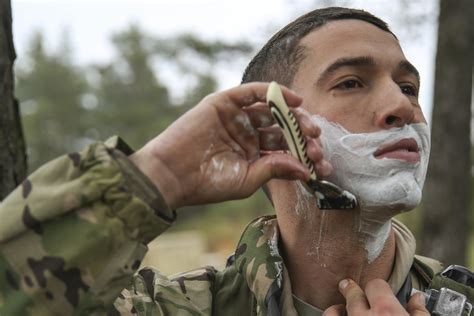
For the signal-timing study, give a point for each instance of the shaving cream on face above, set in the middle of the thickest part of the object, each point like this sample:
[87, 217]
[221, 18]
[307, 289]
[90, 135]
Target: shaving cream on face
[383, 187]
[380, 185]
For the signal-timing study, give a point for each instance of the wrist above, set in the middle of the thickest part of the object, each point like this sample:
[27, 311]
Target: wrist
[162, 178]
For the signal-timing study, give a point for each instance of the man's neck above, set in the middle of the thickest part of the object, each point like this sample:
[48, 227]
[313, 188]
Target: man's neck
[320, 248]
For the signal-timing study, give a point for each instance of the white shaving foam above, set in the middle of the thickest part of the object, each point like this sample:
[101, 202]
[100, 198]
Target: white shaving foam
[214, 166]
[243, 120]
[383, 187]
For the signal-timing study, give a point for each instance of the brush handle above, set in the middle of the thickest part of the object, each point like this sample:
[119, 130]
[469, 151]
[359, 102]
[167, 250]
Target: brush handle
[289, 126]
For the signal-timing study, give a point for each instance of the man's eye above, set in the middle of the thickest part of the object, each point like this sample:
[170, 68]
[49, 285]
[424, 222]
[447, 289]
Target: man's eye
[349, 84]
[409, 90]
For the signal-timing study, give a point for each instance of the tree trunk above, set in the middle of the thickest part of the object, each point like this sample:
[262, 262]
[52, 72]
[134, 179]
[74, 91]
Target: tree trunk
[12, 145]
[446, 198]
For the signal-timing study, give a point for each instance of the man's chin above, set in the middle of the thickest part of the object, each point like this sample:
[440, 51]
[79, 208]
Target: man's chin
[402, 207]
[389, 208]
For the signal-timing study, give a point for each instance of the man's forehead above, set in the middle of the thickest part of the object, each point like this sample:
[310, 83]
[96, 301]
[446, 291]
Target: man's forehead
[344, 32]
[351, 38]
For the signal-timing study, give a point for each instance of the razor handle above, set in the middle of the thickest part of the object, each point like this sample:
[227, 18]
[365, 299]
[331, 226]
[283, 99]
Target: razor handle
[328, 195]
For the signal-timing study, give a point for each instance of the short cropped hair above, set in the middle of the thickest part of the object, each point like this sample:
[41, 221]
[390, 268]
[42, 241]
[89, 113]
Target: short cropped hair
[281, 56]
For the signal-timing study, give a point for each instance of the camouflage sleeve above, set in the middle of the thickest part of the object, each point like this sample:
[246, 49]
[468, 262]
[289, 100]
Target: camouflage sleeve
[74, 232]
[152, 293]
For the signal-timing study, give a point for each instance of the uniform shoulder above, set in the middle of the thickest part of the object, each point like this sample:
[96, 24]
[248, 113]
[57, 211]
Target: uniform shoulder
[436, 266]
[423, 270]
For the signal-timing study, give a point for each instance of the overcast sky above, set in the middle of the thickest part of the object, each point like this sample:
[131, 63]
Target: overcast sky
[90, 24]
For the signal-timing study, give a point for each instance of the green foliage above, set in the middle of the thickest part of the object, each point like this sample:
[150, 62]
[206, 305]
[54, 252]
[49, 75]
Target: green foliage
[66, 106]
[132, 102]
[50, 90]
[210, 52]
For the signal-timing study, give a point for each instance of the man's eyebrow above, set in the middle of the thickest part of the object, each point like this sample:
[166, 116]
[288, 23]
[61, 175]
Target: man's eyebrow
[346, 62]
[408, 67]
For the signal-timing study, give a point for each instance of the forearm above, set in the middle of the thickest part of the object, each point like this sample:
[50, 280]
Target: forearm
[72, 235]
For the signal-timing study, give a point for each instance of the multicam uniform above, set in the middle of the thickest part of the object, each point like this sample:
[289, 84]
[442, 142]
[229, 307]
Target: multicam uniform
[72, 237]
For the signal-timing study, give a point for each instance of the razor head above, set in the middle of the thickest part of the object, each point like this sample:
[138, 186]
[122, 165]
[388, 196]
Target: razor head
[331, 197]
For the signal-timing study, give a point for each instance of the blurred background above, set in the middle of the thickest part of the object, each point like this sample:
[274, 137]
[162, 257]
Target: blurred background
[87, 70]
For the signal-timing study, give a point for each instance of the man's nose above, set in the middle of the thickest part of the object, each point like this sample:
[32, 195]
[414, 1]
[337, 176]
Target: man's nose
[395, 108]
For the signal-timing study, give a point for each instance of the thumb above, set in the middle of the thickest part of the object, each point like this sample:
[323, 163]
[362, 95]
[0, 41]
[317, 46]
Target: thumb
[335, 310]
[416, 305]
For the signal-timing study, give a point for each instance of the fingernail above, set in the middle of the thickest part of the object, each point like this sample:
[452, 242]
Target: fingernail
[420, 299]
[327, 169]
[343, 284]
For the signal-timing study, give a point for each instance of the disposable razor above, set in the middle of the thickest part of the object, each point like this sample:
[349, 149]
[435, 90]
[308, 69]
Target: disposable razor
[328, 195]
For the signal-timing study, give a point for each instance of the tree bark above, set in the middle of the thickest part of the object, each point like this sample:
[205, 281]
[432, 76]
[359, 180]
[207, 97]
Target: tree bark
[446, 198]
[12, 145]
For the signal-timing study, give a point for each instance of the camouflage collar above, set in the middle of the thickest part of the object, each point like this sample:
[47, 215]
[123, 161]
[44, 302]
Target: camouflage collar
[258, 259]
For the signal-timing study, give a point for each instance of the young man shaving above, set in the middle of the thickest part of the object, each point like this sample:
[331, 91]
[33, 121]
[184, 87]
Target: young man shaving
[355, 97]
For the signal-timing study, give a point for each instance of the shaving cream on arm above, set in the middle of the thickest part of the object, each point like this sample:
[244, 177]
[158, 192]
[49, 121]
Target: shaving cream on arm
[384, 187]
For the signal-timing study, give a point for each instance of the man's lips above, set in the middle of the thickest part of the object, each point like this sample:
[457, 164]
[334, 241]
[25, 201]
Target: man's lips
[405, 149]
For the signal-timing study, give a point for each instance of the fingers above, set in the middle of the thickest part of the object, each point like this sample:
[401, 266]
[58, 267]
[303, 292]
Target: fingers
[250, 93]
[306, 124]
[416, 305]
[271, 135]
[242, 133]
[355, 297]
[315, 153]
[313, 148]
[271, 138]
[335, 310]
[251, 125]
[378, 299]
[323, 168]
[275, 165]
[381, 298]
[260, 115]
[240, 122]
[379, 292]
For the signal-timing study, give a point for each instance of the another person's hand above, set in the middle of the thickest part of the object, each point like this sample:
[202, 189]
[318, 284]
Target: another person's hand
[225, 148]
[378, 299]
